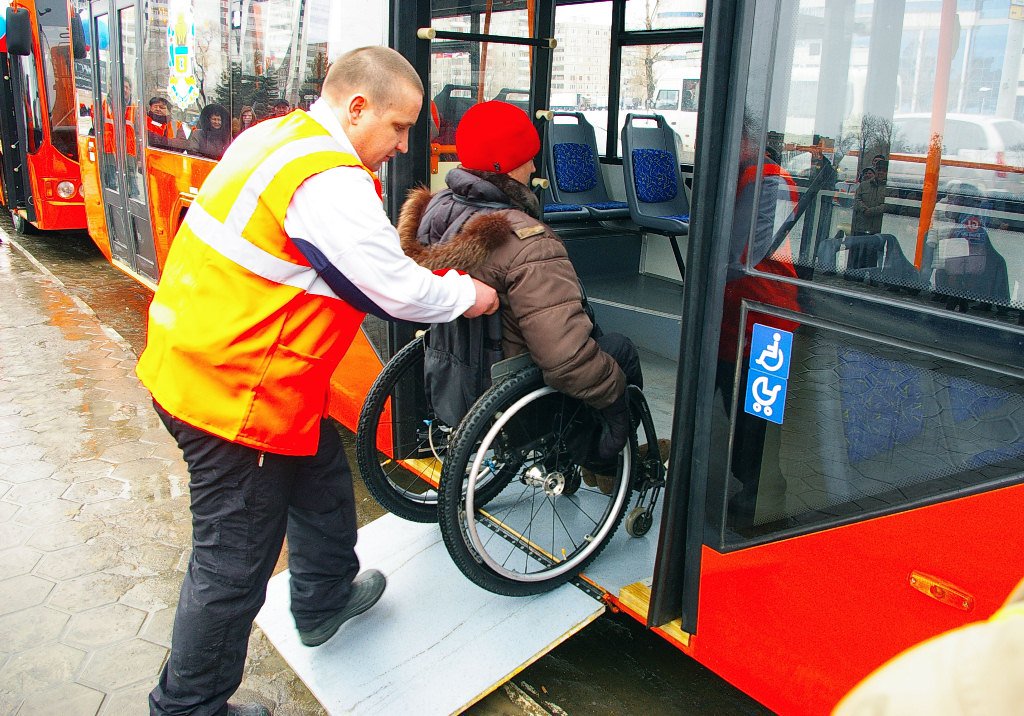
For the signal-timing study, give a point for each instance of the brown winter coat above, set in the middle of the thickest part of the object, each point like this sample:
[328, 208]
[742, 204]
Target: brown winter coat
[527, 264]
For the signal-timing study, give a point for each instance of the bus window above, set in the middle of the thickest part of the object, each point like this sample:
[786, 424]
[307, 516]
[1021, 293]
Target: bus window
[664, 15]
[130, 102]
[666, 99]
[584, 41]
[892, 422]
[271, 76]
[188, 71]
[465, 72]
[663, 79]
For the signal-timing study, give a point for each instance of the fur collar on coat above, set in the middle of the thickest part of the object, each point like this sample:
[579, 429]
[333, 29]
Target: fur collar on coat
[480, 235]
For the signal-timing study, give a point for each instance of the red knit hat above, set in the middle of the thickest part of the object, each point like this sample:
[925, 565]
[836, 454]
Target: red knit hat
[496, 137]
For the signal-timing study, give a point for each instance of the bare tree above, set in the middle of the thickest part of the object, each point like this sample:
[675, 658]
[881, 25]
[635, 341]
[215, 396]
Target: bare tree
[642, 82]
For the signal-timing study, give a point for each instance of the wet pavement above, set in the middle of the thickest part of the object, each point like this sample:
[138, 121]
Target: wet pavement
[94, 526]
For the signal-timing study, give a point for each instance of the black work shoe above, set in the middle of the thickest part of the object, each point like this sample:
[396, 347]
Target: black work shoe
[253, 709]
[366, 590]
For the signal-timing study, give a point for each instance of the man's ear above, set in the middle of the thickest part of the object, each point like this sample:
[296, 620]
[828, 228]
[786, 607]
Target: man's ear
[357, 105]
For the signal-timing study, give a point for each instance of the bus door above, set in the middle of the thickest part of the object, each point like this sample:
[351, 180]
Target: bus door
[119, 109]
[13, 158]
[850, 427]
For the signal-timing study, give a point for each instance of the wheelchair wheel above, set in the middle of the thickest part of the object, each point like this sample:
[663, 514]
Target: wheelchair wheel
[400, 445]
[515, 515]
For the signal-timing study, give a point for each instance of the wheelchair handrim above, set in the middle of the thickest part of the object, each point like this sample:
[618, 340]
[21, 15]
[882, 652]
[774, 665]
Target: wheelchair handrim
[476, 543]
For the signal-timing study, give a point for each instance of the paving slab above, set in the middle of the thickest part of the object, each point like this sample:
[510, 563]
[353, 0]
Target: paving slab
[94, 516]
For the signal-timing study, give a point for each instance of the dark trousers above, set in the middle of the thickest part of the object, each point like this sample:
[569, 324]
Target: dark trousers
[625, 354]
[243, 504]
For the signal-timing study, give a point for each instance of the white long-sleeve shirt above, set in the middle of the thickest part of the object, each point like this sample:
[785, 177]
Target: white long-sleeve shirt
[339, 213]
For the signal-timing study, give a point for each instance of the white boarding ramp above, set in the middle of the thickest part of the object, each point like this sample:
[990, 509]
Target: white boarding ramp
[435, 643]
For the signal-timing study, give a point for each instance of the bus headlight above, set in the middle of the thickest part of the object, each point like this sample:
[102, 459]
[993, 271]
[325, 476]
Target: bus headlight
[65, 190]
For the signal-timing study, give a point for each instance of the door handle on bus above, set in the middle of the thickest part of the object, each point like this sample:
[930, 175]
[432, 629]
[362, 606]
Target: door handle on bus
[90, 146]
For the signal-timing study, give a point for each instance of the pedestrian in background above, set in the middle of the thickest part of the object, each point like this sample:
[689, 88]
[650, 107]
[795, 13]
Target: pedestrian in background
[213, 135]
[245, 119]
[283, 251]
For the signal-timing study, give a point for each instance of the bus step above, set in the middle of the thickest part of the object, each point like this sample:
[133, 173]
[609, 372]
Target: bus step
[431, 622]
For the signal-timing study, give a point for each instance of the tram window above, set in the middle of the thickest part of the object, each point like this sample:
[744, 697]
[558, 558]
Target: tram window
[885, 426]
[665, 80]
[664, 15]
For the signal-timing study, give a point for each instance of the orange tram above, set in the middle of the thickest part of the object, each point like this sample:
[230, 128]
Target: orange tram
[843, 388]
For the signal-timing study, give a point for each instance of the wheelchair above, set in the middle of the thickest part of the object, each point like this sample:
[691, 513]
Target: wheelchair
[519, 510]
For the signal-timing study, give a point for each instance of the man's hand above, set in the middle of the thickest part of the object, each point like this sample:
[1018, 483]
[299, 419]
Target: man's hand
[486, 301]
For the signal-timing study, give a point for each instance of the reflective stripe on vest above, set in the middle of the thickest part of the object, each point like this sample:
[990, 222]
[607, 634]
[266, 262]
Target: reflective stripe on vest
[243, 334]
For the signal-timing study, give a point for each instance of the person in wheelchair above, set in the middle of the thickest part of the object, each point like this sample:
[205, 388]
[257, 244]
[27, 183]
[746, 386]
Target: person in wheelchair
[487, 224]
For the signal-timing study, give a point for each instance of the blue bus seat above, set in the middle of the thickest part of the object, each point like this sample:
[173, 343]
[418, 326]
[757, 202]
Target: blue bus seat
[556, 212]
[570, 161]
[655, 190]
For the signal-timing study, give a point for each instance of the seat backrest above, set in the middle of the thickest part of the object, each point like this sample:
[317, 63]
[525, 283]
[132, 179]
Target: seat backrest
[452, 102]
[650, 166]
[518, 97]
[571, 160]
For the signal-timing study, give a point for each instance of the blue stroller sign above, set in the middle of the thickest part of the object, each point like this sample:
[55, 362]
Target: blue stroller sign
[768, 378]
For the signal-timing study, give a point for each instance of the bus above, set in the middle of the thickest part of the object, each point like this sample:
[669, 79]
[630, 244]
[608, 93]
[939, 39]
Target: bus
[846, 412]
[40, 181]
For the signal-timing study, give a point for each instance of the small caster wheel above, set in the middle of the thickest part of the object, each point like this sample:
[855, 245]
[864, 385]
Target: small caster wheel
[638, 522]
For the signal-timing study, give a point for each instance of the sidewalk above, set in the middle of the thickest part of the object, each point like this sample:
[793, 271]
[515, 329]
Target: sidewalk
[94, 517]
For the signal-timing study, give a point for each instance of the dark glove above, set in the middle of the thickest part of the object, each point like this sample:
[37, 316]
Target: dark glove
[614, 429]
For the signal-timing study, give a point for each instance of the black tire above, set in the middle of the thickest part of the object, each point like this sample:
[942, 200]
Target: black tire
[524, 431]
[407, 493]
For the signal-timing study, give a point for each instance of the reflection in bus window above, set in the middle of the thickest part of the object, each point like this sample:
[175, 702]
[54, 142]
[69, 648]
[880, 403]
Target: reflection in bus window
[33, 102]
[841, 107]
[935, 223]
[132, 114]
[108, 155]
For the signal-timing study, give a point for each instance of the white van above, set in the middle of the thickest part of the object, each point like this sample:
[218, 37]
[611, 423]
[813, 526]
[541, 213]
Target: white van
[676, 100]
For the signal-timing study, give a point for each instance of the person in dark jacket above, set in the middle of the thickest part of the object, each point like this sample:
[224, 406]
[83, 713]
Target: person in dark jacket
[213, 135]
[487, 223]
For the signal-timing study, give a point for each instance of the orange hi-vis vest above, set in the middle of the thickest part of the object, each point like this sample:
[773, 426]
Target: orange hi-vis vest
[755, 287]
[243, 334]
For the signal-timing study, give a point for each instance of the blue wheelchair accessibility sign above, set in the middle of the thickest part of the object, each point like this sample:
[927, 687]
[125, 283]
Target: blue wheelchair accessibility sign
[770, 350]
[768, 378]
